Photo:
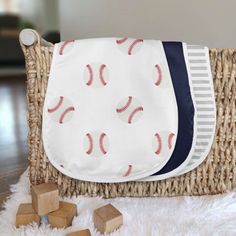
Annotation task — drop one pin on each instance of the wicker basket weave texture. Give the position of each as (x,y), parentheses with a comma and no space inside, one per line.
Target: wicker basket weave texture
(216,174)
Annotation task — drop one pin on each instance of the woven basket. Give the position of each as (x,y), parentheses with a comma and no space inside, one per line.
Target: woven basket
(216,174)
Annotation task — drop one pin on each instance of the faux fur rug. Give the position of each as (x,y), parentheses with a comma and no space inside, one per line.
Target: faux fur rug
(207,215)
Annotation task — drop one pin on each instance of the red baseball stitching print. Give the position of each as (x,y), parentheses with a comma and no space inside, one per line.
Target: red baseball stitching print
(50,110)
(64,45)
(101,74)
(159,79)
(133,113)
(135,42)
(90,149)
(125,106)
(101,140)
(128,45)
(171,135)
(90,75)
(96,75)
(92,145)
(60,110)
(69,109)
(128,171)
(128,108)
(159,143)
(120,41)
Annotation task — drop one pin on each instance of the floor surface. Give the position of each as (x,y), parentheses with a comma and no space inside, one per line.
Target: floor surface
(13,132)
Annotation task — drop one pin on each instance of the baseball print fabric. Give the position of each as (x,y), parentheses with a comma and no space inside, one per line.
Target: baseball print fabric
(128,109)
(103,119)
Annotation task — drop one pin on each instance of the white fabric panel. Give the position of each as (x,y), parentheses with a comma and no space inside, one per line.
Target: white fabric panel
(110,113)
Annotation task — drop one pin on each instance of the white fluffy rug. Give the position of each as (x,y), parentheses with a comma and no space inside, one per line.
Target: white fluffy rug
(208,215)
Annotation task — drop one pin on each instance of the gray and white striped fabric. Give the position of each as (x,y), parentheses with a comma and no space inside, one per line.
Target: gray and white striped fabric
(200,80)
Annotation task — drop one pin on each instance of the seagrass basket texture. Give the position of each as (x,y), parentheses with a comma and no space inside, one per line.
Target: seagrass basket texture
(217,174)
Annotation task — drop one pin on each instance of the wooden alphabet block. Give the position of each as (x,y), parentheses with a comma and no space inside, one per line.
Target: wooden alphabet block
(26,215)
(63,216)
(107,218)
(45,198)
(85,232)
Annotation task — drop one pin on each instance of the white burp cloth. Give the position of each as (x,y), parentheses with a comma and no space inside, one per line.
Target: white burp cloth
(110,113)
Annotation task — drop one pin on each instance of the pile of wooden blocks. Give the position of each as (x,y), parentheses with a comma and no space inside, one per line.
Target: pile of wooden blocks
(46,205)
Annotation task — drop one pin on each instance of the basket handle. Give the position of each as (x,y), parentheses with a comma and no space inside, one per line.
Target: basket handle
(29,37)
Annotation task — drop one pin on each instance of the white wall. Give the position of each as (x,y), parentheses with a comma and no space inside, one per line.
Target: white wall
(42,13)
(207,22)
(7,6)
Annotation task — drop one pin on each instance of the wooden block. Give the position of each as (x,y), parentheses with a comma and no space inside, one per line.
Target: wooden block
(63,216)
(107,218)
(45,198)
(85,232)
(26,215)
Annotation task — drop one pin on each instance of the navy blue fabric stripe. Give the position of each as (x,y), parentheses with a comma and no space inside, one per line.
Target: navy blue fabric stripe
(178,71)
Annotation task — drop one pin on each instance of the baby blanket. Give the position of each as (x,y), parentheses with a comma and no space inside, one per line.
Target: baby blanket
(127,109)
